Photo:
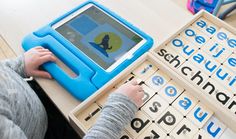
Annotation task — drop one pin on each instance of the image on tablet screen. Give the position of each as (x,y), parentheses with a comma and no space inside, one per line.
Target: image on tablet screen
(99,36)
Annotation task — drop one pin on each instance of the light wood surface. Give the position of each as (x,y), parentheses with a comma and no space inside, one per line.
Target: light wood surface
(160,19)
(5,50)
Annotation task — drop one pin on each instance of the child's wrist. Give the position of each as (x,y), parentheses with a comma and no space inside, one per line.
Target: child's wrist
(119,99)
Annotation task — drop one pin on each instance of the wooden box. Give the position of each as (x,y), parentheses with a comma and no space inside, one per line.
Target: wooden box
(192,75)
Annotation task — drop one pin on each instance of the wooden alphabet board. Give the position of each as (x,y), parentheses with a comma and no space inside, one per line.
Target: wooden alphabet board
(189,83)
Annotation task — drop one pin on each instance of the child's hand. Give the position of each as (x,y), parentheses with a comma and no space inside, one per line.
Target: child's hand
(133,91)
(36,57)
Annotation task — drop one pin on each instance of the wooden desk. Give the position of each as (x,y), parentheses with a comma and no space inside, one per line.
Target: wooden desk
(159,19)
(5,51)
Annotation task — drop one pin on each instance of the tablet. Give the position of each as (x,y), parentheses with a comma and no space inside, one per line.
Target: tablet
(102,38)
(93,42)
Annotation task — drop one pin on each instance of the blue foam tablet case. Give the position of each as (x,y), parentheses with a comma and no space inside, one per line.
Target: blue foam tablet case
(90,77)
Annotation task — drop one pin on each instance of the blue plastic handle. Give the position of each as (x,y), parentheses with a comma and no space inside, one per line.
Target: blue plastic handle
(82,86)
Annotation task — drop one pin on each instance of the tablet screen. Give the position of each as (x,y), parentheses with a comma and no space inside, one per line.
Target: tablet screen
(102,38)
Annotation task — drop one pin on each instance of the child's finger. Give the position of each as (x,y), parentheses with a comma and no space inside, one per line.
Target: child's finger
(140,89)
(134,82)
(43,50)
(46,58)
(141,93)
(45,53)
(139,99)
(42,74)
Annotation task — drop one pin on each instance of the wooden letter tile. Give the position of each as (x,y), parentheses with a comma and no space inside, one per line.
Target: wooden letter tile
(155,106)
(138,124)
(158,80)
(145,70)
(184,103)
(206,26)
(199,115)
(170,91)
(214,127)
(184,130)
(89,115)
(153,132)
(169,119)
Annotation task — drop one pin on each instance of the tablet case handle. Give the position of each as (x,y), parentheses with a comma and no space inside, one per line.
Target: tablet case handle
(83,87)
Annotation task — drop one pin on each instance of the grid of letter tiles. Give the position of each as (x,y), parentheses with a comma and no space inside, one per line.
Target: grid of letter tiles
(168,111)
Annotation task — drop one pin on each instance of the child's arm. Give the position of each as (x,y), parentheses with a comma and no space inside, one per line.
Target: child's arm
(118,111)
(9,130)
(28,63)
(16,64)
